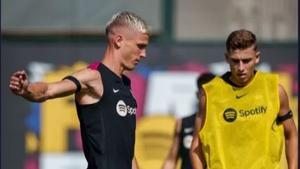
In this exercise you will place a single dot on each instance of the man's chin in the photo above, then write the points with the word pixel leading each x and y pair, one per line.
pixel 244 82
pixel 130 68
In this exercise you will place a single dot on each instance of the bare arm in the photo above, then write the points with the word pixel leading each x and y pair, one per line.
pixel 134 164
pixel 41 91
pixel 290 131
pixel 171 160
pixel 197 157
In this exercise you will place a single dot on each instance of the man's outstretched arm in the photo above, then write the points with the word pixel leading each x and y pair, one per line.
pixel 41 91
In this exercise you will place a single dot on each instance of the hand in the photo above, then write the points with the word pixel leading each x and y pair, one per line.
pixel 19 83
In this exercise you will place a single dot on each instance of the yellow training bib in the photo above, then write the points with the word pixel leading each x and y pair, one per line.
pixel 240 130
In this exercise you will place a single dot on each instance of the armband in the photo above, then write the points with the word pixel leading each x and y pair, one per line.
pixel 74 80
pixel 280 119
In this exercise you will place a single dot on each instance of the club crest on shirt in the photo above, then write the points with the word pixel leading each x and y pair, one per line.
pixel 123 109
pixel 230 115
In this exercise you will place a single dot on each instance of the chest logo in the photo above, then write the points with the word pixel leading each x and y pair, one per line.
pixel 123 109
pixel 230 115
pixel 240 96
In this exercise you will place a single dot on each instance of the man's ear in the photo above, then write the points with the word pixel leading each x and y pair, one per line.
pixel 118 40
pixel 257 55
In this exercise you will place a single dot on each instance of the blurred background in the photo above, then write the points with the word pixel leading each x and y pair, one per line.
pixel 51 39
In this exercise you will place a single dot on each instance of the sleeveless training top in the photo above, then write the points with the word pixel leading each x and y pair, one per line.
pixel 186 137
pixel 108 126
pixel 240 130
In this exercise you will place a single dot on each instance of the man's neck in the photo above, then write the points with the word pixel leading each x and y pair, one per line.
pixel 237 84
pixel 110 60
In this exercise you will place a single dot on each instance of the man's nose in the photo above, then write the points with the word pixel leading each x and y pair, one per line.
pixel 143 53
pixel 241 66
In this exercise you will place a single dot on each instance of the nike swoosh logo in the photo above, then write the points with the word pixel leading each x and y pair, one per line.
pixel 116 90
pixel 187 130
pixel 240 96
pixel 235 88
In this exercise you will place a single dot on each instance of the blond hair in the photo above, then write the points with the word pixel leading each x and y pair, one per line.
pixel 126 19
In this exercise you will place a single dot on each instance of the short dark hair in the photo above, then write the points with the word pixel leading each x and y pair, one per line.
pixel 204 78
pixel 240 39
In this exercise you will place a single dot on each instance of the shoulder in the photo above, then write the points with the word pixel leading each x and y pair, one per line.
pixel 282 93
pixel 87 74
pixel 88 77
pixel 92 70
pixel 269 79
pixel 215 82
pixel 92 86
pixel 284 101
pixel 267 75
pixel 94 65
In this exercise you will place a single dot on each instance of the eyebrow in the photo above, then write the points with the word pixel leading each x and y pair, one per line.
pixel 243 60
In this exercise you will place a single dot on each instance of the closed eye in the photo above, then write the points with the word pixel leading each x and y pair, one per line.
pixel 235 61
pixel 142 46
pixel 246 60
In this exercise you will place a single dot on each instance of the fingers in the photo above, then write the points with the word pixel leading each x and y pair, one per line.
pixel 17 81
pixel 20 74
pixel 14 88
